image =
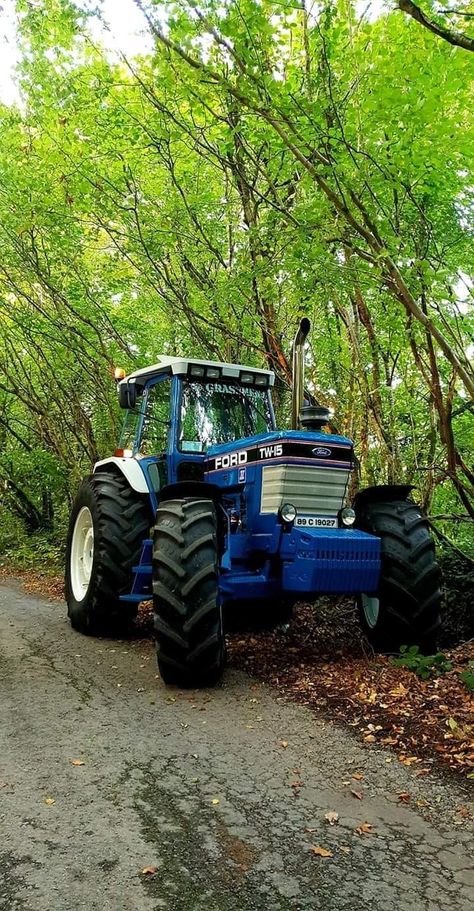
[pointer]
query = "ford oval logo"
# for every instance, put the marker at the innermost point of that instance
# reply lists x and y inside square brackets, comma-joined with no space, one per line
[321,451]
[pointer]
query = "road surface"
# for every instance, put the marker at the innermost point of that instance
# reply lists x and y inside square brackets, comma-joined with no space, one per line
[223,793]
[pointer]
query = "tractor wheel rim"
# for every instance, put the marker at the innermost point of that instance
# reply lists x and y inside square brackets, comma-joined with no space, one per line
[371,608]
[82,553]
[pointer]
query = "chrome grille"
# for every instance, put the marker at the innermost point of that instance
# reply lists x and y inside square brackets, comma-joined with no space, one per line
[314,491]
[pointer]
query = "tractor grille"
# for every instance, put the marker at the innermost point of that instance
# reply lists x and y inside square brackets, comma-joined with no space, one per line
[314,491]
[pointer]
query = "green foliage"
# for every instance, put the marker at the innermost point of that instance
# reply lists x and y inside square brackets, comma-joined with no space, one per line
[36,553]
[148,206]
[424,666]
[467,677]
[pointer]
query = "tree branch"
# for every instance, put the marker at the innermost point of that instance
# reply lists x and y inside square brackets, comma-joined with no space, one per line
[458,39]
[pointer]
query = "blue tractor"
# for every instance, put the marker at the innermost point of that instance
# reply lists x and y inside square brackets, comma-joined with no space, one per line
[206,504]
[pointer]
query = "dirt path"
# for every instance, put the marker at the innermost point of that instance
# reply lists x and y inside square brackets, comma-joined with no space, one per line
[202,787]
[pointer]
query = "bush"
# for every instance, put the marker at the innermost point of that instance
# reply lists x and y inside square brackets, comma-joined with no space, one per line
[424,666]
[467,677]
[458,612]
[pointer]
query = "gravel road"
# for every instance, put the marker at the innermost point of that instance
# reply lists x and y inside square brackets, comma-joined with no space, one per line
[223,792]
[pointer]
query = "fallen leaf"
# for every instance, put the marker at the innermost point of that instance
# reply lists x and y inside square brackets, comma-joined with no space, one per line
[77,762]
[332,817]
[149,871]
[49,801]
[357,776]
[369,738]
[463,811]
[365,828]
[321,852]
[345,849]
[404,796]
[357,794]
[215,801]
[399,690]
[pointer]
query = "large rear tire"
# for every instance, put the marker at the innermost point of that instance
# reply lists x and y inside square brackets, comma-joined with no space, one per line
[187,611]
[406,609]
[108,523]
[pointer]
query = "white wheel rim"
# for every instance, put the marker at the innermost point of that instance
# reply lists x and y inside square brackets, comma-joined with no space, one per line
[371,608]
[82,553]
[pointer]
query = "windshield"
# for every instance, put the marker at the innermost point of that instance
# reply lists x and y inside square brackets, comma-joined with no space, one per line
[220,413]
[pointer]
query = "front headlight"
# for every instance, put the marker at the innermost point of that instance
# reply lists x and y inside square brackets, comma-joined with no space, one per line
[288,512]
[347,516]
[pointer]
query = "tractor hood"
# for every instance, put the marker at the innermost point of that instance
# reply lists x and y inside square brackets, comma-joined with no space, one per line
[282,446]
[308,469]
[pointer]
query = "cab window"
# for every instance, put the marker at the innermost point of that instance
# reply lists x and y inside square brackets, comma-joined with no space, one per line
[156,423]
[154,408]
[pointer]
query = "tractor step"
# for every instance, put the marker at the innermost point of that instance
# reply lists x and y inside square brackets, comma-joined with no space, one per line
[141,588]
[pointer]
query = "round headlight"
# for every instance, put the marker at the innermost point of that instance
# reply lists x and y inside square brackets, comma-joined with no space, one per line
[288,512]
[348,516]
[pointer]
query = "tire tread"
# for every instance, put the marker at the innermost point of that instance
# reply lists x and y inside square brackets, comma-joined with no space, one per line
[187,612]
[409,588]
[122,521]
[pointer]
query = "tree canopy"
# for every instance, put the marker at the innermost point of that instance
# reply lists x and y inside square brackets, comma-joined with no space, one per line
[266,160]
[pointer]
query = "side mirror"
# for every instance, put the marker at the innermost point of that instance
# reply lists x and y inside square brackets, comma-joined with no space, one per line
[127,395]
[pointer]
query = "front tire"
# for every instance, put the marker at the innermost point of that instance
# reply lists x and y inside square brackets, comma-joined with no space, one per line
[406,609]
[108,523]
[187,611]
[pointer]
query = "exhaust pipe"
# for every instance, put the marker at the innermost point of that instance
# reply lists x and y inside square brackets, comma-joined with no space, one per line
[298,371]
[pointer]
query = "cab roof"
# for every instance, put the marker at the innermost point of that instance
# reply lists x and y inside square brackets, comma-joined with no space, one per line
[182,367]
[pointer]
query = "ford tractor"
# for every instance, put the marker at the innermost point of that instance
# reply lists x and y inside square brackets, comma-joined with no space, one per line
[206,505]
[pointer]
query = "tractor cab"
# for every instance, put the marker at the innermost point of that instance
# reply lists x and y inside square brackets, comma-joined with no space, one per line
[200,402]
[178,411]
